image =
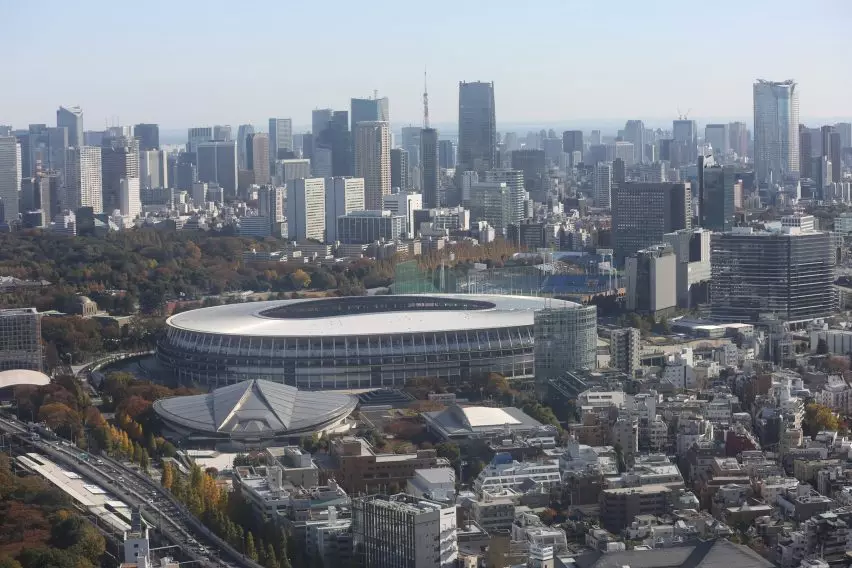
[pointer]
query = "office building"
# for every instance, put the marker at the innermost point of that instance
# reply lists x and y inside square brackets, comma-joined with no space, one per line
[148,135]
[119,160]
[280,139]
[785,273]
[337,138]
[477,128]
[447,154]
[807,139]
[372,161]
[83,186]
[320,117]
[244,131]
[845,131]
[20,339]
[10,177]
[306,209]
[288,170]
[153,169]
[129,198]
[197,135]
[620,506]
[369,110]
[71,118]
[776,130]
[716,189]
[643,212]
[411,144]
[514,180]
[684,142]
[832,150]
[603,185]
[270,204]
[634,132]
[572,141]
[365,227]
[402,531]
[740,136]
[222,133]
[491,201]
[404,204]
[430,172]
[342,195]
[400,169]
[692,249]
[625,350]
[534,167]
[718,136]
[652,281]
[57,143]
[257,157]
[217,163]
[566,339]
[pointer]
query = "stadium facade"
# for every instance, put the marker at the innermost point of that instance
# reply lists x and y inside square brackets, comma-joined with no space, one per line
[359,342]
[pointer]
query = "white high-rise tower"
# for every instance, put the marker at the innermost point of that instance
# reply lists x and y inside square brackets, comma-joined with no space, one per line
[10,177]
[83,186]
[776,130]
[372,161]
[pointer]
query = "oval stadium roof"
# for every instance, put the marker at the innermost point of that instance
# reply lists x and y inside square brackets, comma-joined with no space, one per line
[15,377]
[255,408]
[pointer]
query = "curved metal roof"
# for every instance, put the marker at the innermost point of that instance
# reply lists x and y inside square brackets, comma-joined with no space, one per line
[255,407]
[248,319]
[14,377]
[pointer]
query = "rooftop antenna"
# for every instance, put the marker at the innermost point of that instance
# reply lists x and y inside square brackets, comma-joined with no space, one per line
[375,94]
[425,101]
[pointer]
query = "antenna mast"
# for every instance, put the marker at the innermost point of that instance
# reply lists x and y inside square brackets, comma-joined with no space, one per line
[425,102]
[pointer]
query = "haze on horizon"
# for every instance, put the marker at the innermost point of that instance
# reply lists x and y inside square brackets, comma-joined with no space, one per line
[553,62]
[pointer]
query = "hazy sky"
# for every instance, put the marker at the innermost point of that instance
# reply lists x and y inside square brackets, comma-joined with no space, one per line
[187,62]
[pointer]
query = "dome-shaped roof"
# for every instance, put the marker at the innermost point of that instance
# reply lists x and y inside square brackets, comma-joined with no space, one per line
[14,377]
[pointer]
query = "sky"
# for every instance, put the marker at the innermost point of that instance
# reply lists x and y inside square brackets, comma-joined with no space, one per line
[553,62]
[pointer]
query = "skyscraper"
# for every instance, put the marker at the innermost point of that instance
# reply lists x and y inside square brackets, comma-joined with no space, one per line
[257,156]
[372,161]
[20,338]
[685,142]
[400,169]
[148,135]
[222,133]
[306,209]
[83,186]
[429,168]
[10,177]
[572,141]
[477,128]
[280,139]
[411,144]
[197,135]
[243,133]
[72,119]
[603,185]
[716,197]
[739,138]
[447,154]
[270,204]
[634,132]
[534,166]
[514,180]
[119,160]
[153,169]
[369,110]
[217,162]
[337,138]
[343,195]
[643,212]
[845,130]
[776,130]
[719,138]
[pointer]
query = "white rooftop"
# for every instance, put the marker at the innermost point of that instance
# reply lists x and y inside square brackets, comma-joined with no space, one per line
[479,416]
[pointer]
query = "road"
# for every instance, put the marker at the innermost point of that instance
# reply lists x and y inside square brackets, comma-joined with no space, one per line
[158,506]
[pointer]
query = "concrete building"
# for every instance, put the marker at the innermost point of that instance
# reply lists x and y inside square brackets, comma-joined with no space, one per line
[401,531]
[625,349]
[652,281]
[572,141]
[603,185]
[20,339]
[71,118]
[360,469]
[365,227]
[83,186]
[565,340]
[400,169]
[119,160]
[491,202]
[514,180]
[618,507]
[477,127]
[692,249]
[306,209]
[148,135]
[153,169]
[719,138]
[429,167]
[10,177]
[404,204]
[372,161]
[343,195]
[197,135]
[129,199]
[270,203]
[287,170]
[217,163]
[643,212]
[634,132]
[280,139]
[776,130]
[787,272]
[716,195]
[257,157]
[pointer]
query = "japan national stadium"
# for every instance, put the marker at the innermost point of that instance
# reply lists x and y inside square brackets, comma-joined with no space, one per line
[366,342]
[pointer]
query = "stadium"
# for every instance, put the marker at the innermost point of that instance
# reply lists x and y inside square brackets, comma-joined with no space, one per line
[361,342]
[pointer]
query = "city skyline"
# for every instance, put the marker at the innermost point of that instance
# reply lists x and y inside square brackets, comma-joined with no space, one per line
[529,87]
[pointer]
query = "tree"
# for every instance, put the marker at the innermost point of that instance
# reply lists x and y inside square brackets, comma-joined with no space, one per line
[270,559]
[300,279]
[251,551]
[168,477]
[547,515]
[822,347]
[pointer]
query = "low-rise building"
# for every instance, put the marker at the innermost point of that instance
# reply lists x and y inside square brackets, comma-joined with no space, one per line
[360,469]
[619,506]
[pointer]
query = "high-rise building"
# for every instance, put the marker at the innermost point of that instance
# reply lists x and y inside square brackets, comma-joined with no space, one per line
[222,133]
[270,204]
[572,141]
[369,110]
[372,160]
[343,195]
[716,185]
[625,350]
[217,163]
[402,531]
[404,204]
[197,135]
[257,157]
[119,160]
[565,340]
[447,154]
[83,186]
[320,117]
[430,171]
[739,140]
[652,281]
[129,198]
[153,169]
[806,151]
[719,138]
[595,138]
[634,132]
[514,180]
[692,249]
[148,135]
[20,339]
[643,212]
[280,139]
[365,227]
[400,170]
[411,144]
[845,131]
[835,153]
[477,128]
[57,143]
[534,167]
[603,185]
[776,130]
[685,142]
[10,177]
[243,133]
[288,170]
[306,209]
[72,119]
[787,274]
[337,138]
[491,201]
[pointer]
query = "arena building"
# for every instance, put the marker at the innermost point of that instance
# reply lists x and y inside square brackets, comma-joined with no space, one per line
[253,414]
[364,342]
